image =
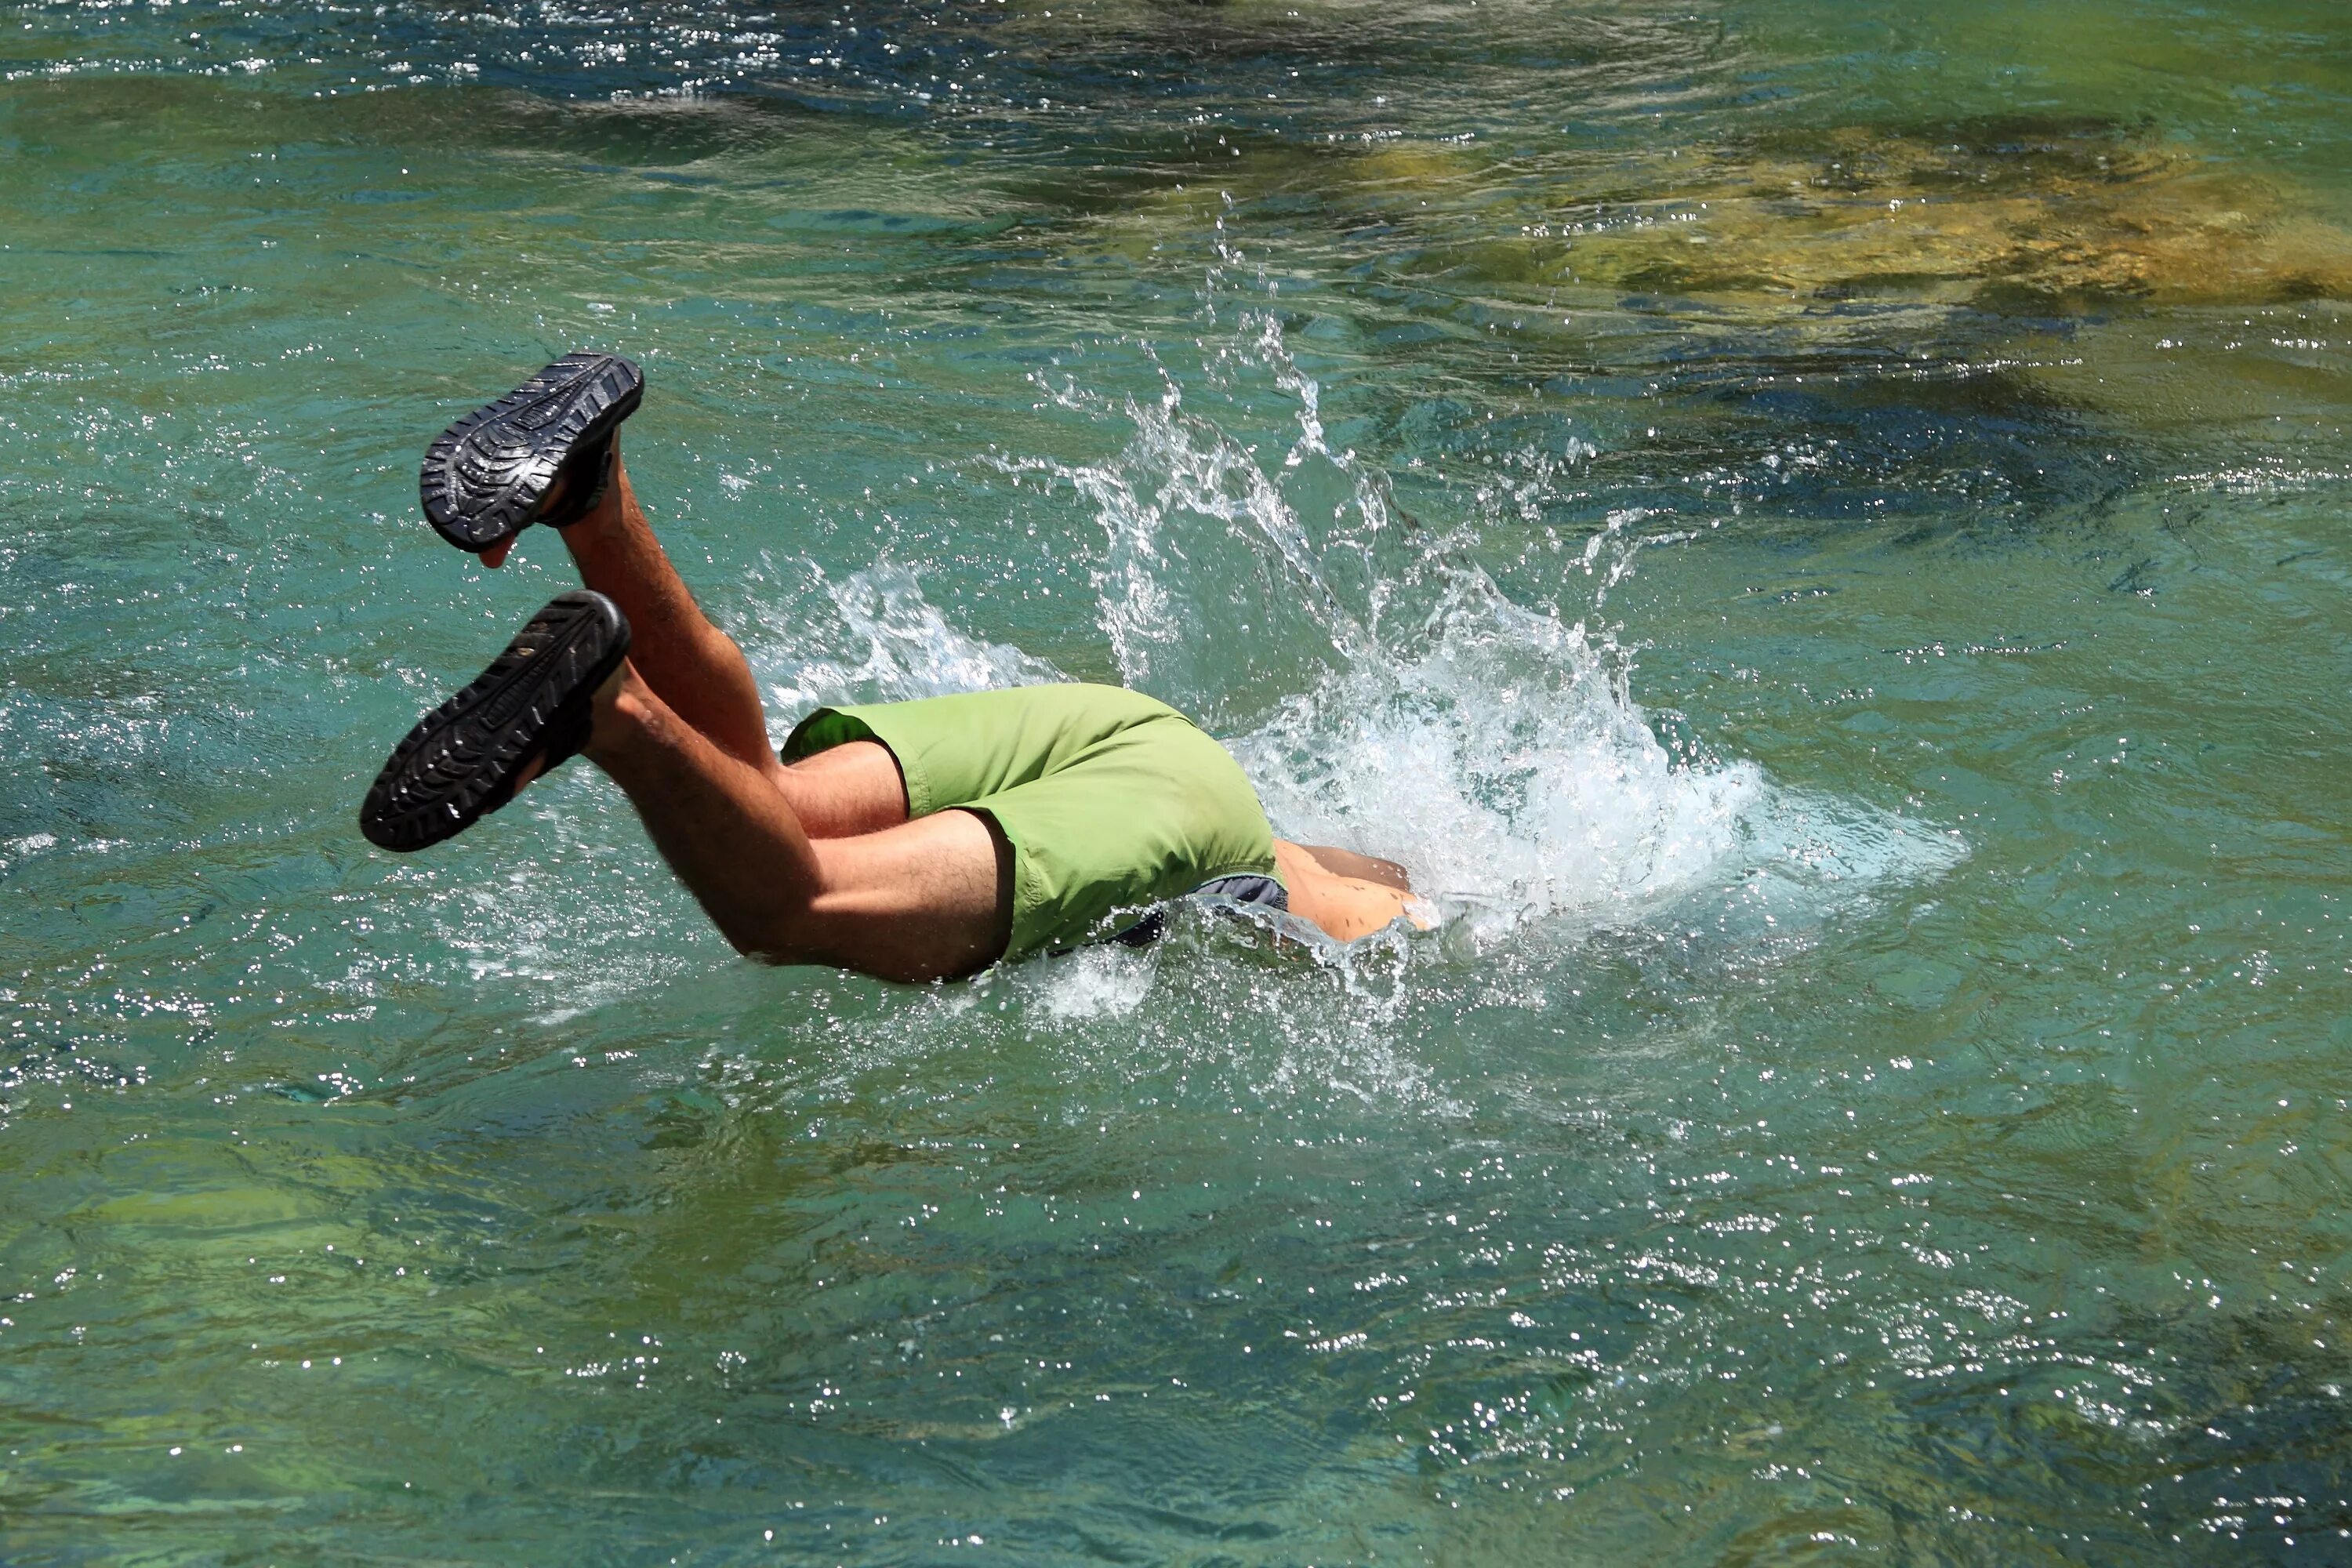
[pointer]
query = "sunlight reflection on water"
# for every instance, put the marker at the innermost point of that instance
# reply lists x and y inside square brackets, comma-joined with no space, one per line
[1813,535]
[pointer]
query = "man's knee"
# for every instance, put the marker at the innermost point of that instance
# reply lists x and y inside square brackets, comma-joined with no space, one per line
[785,930]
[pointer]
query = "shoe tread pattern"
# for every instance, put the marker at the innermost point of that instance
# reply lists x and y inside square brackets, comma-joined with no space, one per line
[485,476]
[458,765]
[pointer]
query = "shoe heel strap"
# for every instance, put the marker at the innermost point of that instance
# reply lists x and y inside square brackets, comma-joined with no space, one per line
[567,730]
[605,458]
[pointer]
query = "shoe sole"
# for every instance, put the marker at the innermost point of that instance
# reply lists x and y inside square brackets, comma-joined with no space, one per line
[486,475]
[460,763]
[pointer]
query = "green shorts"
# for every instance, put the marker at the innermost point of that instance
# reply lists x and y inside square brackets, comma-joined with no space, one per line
[1111,800]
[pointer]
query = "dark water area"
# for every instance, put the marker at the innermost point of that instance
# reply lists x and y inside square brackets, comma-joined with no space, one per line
[1816,533]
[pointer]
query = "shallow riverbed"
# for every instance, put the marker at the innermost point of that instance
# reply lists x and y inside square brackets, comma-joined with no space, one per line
[1819,539]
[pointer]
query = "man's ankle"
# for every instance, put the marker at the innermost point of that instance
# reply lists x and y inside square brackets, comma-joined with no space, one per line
[620,715]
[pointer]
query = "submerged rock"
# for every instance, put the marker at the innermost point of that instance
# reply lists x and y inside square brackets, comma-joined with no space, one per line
[1994,217]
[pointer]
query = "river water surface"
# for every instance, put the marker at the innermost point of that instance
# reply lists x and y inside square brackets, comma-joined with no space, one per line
[1818,536]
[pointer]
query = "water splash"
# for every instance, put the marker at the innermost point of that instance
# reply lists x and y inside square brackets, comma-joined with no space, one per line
[1385,694]
[872,638]
[1507,766]
[1380,689]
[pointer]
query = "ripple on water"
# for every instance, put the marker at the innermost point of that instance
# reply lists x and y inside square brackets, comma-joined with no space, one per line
[1848,667]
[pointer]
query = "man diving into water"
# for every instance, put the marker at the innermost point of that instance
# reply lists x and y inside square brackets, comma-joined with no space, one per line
[908,840]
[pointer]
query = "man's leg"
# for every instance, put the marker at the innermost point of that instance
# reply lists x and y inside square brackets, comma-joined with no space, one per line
[702,675]
[920,901]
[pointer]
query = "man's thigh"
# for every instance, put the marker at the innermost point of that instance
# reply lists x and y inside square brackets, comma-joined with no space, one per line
[843,791]
[924,901]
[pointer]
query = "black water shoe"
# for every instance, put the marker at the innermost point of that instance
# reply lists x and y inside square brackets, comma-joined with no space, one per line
[485,478]
[464,759]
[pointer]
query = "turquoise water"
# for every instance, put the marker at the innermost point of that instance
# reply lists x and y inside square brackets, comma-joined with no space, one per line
[1818,535]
